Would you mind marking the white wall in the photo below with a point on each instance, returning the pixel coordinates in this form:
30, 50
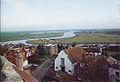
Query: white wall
68, 64
25, 63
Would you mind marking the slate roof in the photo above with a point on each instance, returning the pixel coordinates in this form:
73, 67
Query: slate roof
113, 62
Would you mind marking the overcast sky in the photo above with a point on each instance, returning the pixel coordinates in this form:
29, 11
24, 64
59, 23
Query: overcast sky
59, 14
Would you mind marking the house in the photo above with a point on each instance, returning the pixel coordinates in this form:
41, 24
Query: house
113, 51
51, 49
92, 50
27, 50
17, 56
67, 59
86, 68
21, 59
114, 69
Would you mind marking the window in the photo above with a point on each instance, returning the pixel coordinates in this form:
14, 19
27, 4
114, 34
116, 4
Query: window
82, 64
70, 71
117, 73
62, 61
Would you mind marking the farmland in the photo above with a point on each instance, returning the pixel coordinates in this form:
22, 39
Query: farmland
84, 38
93, 38
9, 36
81, 36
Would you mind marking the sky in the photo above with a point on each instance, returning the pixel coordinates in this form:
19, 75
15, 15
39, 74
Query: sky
32, 15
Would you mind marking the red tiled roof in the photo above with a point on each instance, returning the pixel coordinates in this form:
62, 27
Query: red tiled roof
75, 54
26, 77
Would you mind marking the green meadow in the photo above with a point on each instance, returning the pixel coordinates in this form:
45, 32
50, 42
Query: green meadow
9, 36
93, 38
83, 38
98, 36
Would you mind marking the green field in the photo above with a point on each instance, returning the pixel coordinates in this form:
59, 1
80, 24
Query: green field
84, 38
9, 36
93, 38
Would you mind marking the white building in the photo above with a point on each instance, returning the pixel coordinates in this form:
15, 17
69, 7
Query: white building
66, 59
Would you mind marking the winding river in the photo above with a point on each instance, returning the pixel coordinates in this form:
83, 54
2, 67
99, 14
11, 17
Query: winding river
65, 35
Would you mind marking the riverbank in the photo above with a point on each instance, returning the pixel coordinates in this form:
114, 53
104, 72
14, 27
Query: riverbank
42, 40
51, 37
95, 38
15, 36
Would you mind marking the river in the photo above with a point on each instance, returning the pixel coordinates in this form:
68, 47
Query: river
65, 35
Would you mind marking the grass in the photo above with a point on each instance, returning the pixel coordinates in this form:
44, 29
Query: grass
38, 41
85, 38
9, 36
82, 38
93, 38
